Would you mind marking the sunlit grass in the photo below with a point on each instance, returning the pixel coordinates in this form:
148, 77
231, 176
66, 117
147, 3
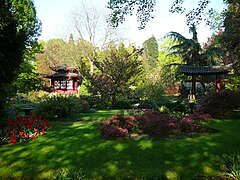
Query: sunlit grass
99, 115
77, 145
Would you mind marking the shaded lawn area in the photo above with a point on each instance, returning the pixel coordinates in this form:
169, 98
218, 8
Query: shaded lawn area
99, 115
78, 145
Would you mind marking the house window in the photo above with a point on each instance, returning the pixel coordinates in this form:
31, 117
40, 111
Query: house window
63, 84
56, 84
60, 85
69, 84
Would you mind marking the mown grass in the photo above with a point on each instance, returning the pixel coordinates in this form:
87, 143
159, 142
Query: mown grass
99, 115
77, 145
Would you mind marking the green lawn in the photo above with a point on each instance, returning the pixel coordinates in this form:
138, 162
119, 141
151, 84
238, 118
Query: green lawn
76, 145
99, 115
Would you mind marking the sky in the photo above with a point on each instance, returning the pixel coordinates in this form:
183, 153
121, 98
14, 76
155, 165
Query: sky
54, 15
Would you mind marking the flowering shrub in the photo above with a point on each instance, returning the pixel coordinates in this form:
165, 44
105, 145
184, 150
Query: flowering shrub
154, 124
23, 128
219, 104
113, 132
194, 123
119, 126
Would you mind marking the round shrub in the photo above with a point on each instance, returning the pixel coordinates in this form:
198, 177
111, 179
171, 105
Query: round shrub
122, 105
218, 104
148, 105
61, 107
109, 131
119, 125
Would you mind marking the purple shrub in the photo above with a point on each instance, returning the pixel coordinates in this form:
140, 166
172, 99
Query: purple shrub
113, 132
155, 124
119, 126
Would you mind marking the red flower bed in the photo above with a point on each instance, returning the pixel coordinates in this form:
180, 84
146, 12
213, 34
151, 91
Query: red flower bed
23, 128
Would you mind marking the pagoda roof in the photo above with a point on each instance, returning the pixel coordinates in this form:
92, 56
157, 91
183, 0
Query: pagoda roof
63, 68
203, 70
64, 75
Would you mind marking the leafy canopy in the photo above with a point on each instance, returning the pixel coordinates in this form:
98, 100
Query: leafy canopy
145, 11
19, 30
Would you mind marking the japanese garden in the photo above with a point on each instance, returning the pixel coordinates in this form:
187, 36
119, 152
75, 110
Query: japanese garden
92, 106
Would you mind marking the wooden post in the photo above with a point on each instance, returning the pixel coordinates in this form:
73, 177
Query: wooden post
194, 84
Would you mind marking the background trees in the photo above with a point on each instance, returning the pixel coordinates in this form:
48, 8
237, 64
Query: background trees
92, 32
230, 36
19, 30
117, 70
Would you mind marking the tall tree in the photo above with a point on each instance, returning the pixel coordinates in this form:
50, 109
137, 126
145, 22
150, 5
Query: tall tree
89, 25
150, 51
57, 52
191, 51
169, 64
19, 31
118, 69
230, 37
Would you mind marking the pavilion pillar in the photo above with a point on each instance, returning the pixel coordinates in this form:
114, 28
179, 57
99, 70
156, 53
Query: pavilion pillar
194, 84
52, 85
218, 83
75, 84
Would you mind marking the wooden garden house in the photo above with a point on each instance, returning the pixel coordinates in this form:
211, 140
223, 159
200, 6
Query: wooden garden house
65, 80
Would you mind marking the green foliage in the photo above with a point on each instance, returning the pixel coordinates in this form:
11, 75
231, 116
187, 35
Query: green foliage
168, 64
123, 8
19, 30
118, 69
70, 174
61, 107
28, 80
218, 104
233, 83
150, 90
191, 51
177, 106
147, 105
230, 38
150, 52
232, 162
145, 9
37, 96
57, 52
121, 104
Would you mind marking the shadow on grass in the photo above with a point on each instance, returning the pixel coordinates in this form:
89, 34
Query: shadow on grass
78, 145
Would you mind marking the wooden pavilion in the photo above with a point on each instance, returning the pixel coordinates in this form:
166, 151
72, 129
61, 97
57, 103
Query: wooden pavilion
195, 71
65, 80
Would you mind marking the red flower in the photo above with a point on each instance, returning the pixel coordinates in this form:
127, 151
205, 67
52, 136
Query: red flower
11, 131
50, 127
25, 135
43, 132
35, 130
13, 139
20, 133
34, 137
